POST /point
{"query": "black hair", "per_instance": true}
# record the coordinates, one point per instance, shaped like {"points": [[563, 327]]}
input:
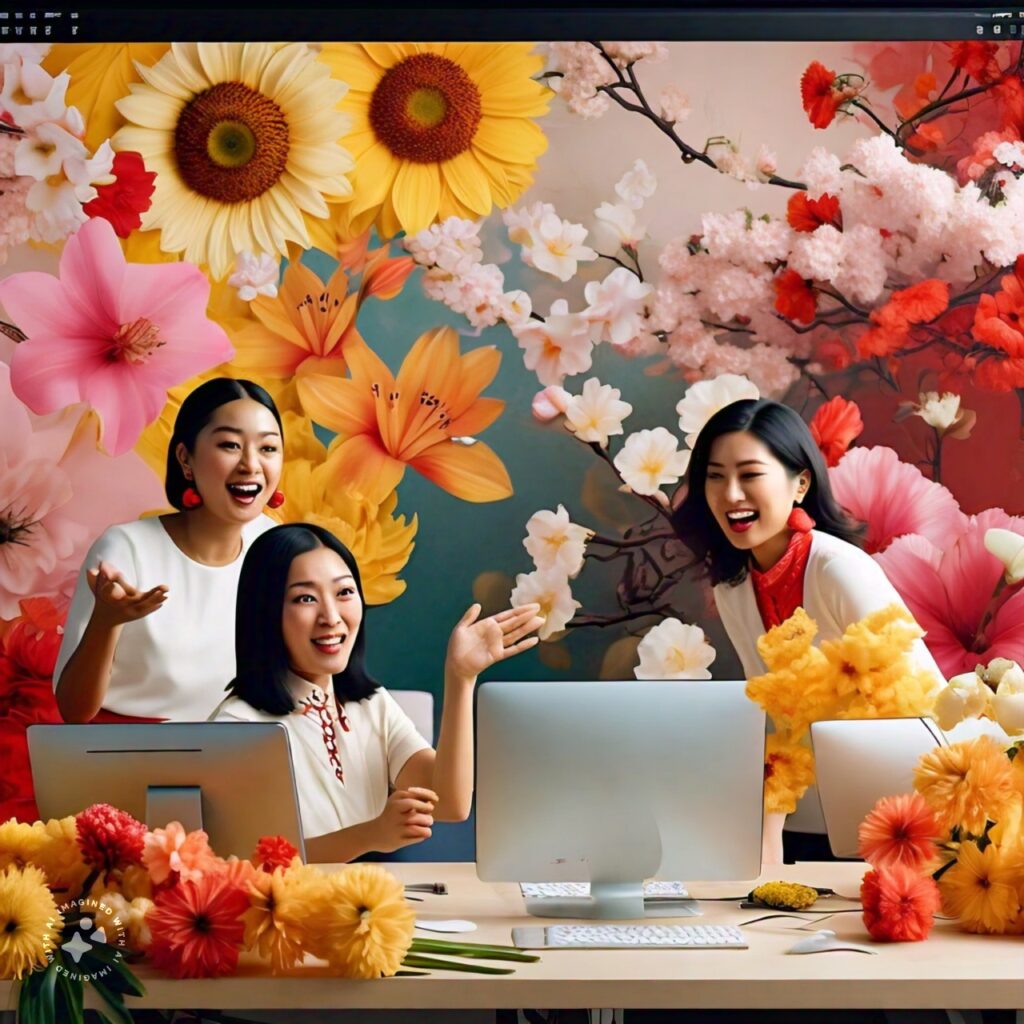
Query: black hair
{"points": [[789, 439], [261, 658], [196, 411]]}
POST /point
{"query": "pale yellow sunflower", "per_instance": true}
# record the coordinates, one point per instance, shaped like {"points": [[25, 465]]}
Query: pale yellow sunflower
{"points": [[244, 138], [438, 129]]}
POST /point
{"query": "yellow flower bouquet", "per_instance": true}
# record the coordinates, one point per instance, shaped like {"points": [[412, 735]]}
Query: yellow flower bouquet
{"points": [[865, 673]]}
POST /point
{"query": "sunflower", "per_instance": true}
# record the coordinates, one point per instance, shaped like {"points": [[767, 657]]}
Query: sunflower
{"points": [[362, 926], [981, 888], [244, 139], [438, 129], [27, 914]]}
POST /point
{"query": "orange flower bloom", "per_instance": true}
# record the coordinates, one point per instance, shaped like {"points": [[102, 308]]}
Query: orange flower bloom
{"points": [[997, 318], [981, 889], [421, 419], [900, 830], [171, 850], [899, 904], [921, 302], [835, 426], [808, 215], [794, 297], [966, 784], [820, 98]]}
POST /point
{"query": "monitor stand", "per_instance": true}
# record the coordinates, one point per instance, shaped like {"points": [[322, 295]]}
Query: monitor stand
{"points": [[612, 901], [183, 804]]}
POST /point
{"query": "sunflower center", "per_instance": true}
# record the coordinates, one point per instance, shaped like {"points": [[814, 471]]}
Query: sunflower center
{"points": [[231, 143], [135, 342], [425, 109]]}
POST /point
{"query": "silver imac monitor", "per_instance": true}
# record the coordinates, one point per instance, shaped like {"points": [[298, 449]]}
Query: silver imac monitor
{"points": [[613, 783], [857, 762], [232, 779]]}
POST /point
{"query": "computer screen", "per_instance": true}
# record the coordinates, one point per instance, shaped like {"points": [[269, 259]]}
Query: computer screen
{"points": [[623, 219], [615, 783]]}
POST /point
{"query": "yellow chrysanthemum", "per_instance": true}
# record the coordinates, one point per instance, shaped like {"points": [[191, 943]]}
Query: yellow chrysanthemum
{"points": [[244, 139], [59, 856], [981, 889], [380, 541], [796, 696], [362, 925], [786, 642], [276, 922], [438, 129], [28, 914], [19, 843], [966, 784], [788, 771]]}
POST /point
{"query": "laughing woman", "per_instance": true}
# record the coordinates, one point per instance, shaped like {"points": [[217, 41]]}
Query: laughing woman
{"points": [[367, 781], [149, 632]]}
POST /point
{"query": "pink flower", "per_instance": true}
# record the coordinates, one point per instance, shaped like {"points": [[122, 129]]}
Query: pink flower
{"points": [[58, 492], [114, 334], [950, 587], [173, 851], [893, 498]]}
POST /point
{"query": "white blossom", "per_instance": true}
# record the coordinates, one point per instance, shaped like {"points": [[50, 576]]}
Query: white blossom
{"points": [[704, 398], [649, 459], [550, 589], [255, 274], [597, 413], [557, 347], [617, 304], [636, 185], [674, 650], [554, 542]]}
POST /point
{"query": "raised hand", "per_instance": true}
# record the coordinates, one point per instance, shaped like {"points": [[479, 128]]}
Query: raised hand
{"points": [[476, 644], [117, 601]]}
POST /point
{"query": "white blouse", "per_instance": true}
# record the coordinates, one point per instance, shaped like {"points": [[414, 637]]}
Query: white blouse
{"points": [[173, 663], [344, 766]]}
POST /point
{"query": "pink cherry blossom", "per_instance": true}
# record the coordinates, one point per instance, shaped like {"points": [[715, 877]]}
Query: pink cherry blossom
{"points": [[114, 334], [558, 346], [58, 492], [950, 587], [893, 498], [617, 304]]}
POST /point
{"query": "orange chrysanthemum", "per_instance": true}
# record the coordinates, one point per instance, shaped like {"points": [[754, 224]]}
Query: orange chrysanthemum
{"points": [[198, 927], [899, 904], [173, 851], [983, 888], [806, 215], [794, 297], [423, 418], [834, 427], [900, 830], [274, 852], [966, 784]]}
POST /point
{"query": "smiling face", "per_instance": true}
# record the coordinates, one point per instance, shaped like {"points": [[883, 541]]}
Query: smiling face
{"points": [[751, 494], [321, 616], [236, 464]]}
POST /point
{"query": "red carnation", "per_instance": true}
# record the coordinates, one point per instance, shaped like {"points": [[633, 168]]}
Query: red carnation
{"points": [[835, 426], [807, 215], [125, 200], [108, 838], [820, 97], [899, 904], [794, 297], [274, 852]]}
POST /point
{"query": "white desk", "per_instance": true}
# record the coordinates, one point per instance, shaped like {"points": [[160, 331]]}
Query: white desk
{"points": [[951, 970]]}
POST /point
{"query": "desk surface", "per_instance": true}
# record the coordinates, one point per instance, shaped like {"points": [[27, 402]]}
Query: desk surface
{"points": [[950, 970]]}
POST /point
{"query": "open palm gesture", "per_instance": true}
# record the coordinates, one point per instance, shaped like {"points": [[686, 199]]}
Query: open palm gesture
{"points": [[476, 644]]}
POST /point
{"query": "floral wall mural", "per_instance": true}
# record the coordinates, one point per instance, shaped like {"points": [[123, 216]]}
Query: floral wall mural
{"points": [[496, 290]]}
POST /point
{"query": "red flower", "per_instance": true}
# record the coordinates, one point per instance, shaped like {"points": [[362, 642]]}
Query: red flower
{"points": [[197, 927], [997, 319], [806, 214], [1009, 94], [834, 427], [921, 302], [125, 200], [999, 373], [977, 58], [16, 795], [835, 354], [820, 98], [794, 297], [108, 838], [899, 904], [900, 830], [274, 852]]}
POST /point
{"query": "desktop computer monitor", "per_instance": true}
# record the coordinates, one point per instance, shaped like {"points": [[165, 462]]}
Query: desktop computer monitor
{"points": [[232, 779], [613, 783], [857, 762]]}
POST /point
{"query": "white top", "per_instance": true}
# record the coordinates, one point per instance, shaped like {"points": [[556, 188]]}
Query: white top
{"points": [[173, 663], [842, 584], [380, 738]]}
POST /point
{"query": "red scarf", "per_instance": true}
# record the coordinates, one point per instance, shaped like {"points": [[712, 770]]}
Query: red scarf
{"points": [[780, 590]]}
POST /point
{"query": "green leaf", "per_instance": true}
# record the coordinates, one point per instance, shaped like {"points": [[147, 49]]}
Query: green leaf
{"points": [[70, 1001], [47, 989], [28, 998], [413, 960], [472, 949], [113, 999], [126, 982]]}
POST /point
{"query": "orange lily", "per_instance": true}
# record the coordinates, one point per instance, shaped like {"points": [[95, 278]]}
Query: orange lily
{"points": [[309, 325], [422, 419]]}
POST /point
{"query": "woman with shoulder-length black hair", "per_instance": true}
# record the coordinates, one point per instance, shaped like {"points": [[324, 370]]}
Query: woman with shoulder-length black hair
{"points": [[367, 781], [759, 514], [148, 632]]}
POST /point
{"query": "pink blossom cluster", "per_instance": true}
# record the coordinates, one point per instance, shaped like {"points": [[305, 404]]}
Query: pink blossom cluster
{"points": [[15, 220]]}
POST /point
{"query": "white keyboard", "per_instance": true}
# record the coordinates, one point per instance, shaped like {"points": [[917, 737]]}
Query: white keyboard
{"points": [[562, 890], [636, 936]]}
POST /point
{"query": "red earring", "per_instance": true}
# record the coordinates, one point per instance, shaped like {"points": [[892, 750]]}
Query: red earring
{"points": [[191, 498], [800, 521], [276, 500]]}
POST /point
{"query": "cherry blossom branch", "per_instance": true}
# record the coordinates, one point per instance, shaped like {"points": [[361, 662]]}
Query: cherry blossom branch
{"points": [[614, 620], [636, 542], [649, 499], [865, 109], [935, 109]]}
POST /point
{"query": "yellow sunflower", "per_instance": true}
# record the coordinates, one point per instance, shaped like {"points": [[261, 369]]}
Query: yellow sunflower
{"points": [[28, 914], [438, 129], [244, 138]]}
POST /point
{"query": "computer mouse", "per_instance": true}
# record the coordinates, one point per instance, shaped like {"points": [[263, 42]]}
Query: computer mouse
{"points": [[814, 943], [452, 925]]}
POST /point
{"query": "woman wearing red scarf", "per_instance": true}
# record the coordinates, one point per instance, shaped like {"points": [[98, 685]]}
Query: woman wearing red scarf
{"points": [[760, 514]]}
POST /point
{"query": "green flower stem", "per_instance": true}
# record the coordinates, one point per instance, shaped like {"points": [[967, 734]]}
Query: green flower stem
{"points": [[437, 964]]}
